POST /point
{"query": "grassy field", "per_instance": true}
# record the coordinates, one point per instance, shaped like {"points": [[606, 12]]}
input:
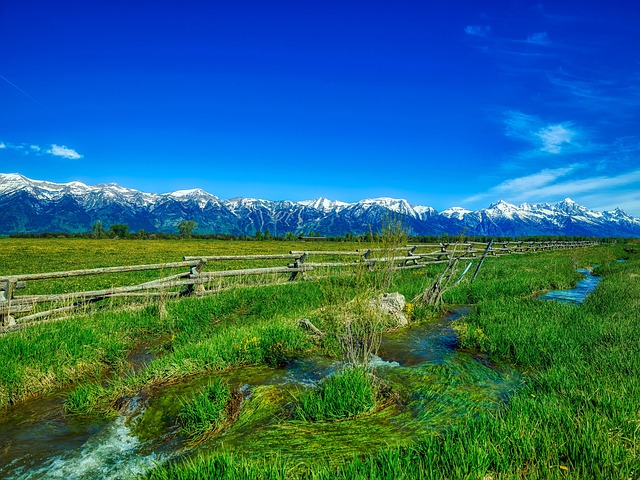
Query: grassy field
{"points": [[577, 416]]}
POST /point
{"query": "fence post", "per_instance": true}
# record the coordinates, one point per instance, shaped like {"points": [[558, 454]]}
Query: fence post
{"points": [[297, 264], [6, 320], [410, 254], [194, 272], [475, 274]]}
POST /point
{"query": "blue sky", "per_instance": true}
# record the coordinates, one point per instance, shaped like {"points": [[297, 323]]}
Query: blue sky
{"points": [[442, 103]]}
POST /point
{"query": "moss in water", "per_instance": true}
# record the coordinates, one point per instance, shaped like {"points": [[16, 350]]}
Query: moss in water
{"points": [[436, 396], [263, 429]]}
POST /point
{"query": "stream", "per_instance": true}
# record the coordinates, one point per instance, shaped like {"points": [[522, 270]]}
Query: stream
{"points": [[578, 294], [439, 384]]}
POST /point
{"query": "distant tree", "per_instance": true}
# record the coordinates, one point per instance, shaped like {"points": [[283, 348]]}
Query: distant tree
{"points": [[267, 235], [119, 230], [186, 228], [290, 237], [97, 230], [142, 233], [259, 235]]}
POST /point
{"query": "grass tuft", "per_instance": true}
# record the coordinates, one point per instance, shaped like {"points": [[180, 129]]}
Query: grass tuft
{"points": [[346, 394], [207, 412]]}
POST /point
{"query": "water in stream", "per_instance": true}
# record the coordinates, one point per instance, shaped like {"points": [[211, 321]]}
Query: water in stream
{"points": [[578, 294], [439, 384]]}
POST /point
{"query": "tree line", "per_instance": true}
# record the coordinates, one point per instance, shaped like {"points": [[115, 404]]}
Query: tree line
{"points": [[186, 228]]}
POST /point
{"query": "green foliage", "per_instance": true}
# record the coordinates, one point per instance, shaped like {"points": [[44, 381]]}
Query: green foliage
{"points": [[97, 230], [207, 412], [84, 398], [346, 394], [119, 230], [576, 416], [186, 228], [223, 467]]}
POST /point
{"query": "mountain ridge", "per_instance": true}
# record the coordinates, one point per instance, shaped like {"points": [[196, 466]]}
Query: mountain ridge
{"points": [[36, 206]]}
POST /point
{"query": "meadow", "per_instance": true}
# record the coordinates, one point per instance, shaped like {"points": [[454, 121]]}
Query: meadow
{"points": [[576, 415]]}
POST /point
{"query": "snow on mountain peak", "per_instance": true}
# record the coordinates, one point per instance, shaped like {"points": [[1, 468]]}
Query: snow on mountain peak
{"points": [[502, 205], [455, 212], [324, 204], [321, 214], [12, 181]]}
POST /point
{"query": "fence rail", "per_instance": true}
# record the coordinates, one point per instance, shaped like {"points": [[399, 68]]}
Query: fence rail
{"points": [[17, 311]]}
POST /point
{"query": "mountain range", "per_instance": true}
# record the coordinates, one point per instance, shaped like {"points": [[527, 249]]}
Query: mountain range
{"points": [[36, 206]]}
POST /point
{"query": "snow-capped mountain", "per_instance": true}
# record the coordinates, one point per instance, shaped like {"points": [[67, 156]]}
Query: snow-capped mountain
{"points": [[39, 206]]}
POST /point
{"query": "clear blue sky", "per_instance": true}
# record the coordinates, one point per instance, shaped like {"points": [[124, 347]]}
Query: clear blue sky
{"points": [[441, 103]]}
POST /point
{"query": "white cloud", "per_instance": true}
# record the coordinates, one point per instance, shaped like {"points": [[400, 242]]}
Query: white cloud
{"points": [[2, 145], [539, 38], [515, 187], [547, 138], [35, 148], [549, 185], [62, 151], [553, 137], [629, 201], [587, 185], [536, 180], [477, 30]]}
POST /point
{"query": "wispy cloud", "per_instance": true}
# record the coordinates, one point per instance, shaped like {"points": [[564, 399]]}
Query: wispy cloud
{"points": [[552, 184], [586, 185], [65, 152], [534, 181], [515, 186], [628, 201], [619, 91], [552, 138], [539, 38], [477, 30], [55, 150]]}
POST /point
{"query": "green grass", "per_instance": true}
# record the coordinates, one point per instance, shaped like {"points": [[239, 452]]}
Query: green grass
{"points": [[576, 417], [207, 412], [345, 394]]}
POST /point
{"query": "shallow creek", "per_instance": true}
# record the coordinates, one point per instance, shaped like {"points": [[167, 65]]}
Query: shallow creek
{"points": [[439, 384], [578, 294]]}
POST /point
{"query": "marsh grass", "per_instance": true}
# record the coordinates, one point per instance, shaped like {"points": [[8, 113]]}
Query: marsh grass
{"points": [[208, 411], [348, 393], [576, 417]]}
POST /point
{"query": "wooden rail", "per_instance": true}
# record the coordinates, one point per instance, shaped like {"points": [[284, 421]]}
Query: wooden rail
{"points": [[17, 310]]}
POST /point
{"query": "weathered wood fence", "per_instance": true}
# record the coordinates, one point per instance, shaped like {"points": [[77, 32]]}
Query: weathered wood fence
{"points": [[21, 310]]}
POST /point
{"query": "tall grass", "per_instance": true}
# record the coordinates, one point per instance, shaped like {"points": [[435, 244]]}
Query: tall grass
{"points": [[577, 415], [207, 412], [346, 394]]}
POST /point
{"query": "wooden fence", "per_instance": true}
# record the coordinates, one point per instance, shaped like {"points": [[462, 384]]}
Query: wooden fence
{"points": [[17, 310]]}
